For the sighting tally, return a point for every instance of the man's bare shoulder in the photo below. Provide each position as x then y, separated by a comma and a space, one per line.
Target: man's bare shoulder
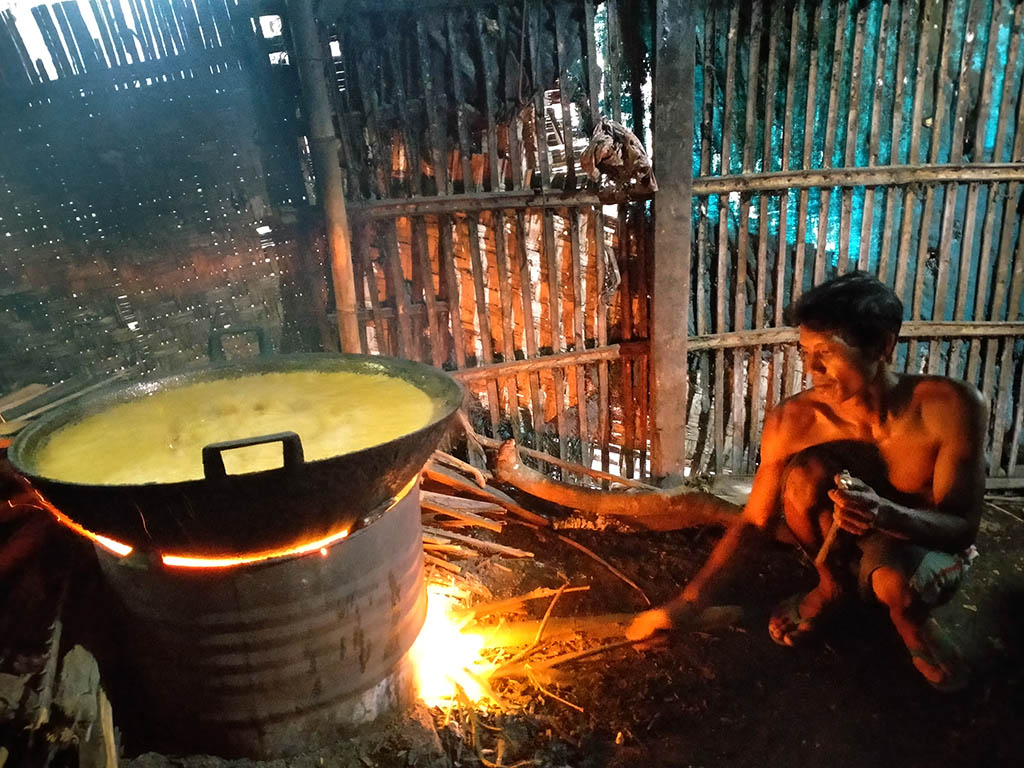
794, 415
945, 403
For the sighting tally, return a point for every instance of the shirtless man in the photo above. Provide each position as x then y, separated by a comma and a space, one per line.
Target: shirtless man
914, 445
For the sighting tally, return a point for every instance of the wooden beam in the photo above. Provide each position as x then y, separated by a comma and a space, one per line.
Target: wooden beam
673, 166
324, 146
911, 330
870, 176
873, 176
479, 201
544, 362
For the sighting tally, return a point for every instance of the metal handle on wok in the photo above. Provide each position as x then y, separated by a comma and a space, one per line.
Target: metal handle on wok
213, 460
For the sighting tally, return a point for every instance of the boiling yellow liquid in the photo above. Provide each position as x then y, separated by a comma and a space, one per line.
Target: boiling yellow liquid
159, 438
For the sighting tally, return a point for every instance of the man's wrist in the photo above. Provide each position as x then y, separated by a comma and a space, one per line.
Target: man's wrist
890, 518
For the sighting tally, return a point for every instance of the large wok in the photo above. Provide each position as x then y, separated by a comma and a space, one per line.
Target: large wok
225, 514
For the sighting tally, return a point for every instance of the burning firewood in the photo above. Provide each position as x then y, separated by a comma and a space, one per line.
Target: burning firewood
512, 604
602, 627
499, 667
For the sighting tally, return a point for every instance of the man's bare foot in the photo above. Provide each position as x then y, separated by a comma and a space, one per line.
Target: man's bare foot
795, 618
937, 658
507, 459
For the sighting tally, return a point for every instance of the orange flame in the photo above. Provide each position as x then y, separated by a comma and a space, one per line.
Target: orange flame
444, 656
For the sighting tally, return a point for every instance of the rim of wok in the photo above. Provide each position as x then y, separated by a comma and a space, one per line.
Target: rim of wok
436, 383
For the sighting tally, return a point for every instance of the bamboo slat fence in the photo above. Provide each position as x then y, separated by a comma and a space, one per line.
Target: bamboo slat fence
882, 136
478, 240
149, 190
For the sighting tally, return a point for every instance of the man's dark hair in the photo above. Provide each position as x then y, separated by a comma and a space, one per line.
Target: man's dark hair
857, 306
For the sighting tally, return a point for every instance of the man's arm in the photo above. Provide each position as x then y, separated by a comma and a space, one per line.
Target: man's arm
758, 515
958, 418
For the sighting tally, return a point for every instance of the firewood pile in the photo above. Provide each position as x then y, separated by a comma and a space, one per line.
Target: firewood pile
523, 662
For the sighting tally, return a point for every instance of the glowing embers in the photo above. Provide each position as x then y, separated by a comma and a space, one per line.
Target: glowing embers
227, 561
122, 550
184, 561
444, 656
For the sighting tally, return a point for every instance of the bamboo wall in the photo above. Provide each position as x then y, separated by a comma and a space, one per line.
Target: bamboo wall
145, 182
476, 237
882, 136
887, 132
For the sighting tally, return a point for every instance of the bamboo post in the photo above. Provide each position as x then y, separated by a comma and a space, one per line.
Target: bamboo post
723, 238
549, 256
615, 59
526, 296
599, 255
564, 29
808, 139
963, 308
831, 128
852, 134
740, 376
924, 61
757, 395
508, 329
988, 251
943, 92
701, 317
782, 360
867, 217
893, 196
965, 89
324, 147
626, 456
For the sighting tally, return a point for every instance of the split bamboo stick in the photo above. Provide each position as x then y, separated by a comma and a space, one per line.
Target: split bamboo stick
878, 83
739, 373
852, 136
721, 291
831, 129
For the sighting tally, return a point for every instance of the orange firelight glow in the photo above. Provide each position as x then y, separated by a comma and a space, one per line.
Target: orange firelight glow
116, 547
189, 561
444, 655
185, 561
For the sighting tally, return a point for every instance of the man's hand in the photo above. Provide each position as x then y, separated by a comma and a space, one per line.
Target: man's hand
858, 509
674, 614
648, 624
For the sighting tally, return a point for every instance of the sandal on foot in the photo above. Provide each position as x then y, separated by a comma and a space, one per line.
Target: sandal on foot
941, 654
797, 627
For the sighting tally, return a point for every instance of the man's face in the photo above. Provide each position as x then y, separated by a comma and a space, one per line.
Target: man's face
838, 370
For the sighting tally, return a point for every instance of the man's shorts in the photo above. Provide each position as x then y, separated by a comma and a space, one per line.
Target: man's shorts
934, 575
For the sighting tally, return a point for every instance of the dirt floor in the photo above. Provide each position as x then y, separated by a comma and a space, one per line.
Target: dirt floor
734, 698
727, 698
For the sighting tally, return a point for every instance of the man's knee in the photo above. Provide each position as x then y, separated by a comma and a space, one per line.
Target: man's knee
892, 588
805, 483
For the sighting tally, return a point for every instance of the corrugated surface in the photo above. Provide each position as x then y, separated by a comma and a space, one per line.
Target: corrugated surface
278, 658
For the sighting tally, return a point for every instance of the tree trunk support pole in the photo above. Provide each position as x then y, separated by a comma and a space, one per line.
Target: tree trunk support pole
324, 145
673, 167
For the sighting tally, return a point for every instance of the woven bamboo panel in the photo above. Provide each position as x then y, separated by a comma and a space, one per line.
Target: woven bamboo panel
832, 136
140, 196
